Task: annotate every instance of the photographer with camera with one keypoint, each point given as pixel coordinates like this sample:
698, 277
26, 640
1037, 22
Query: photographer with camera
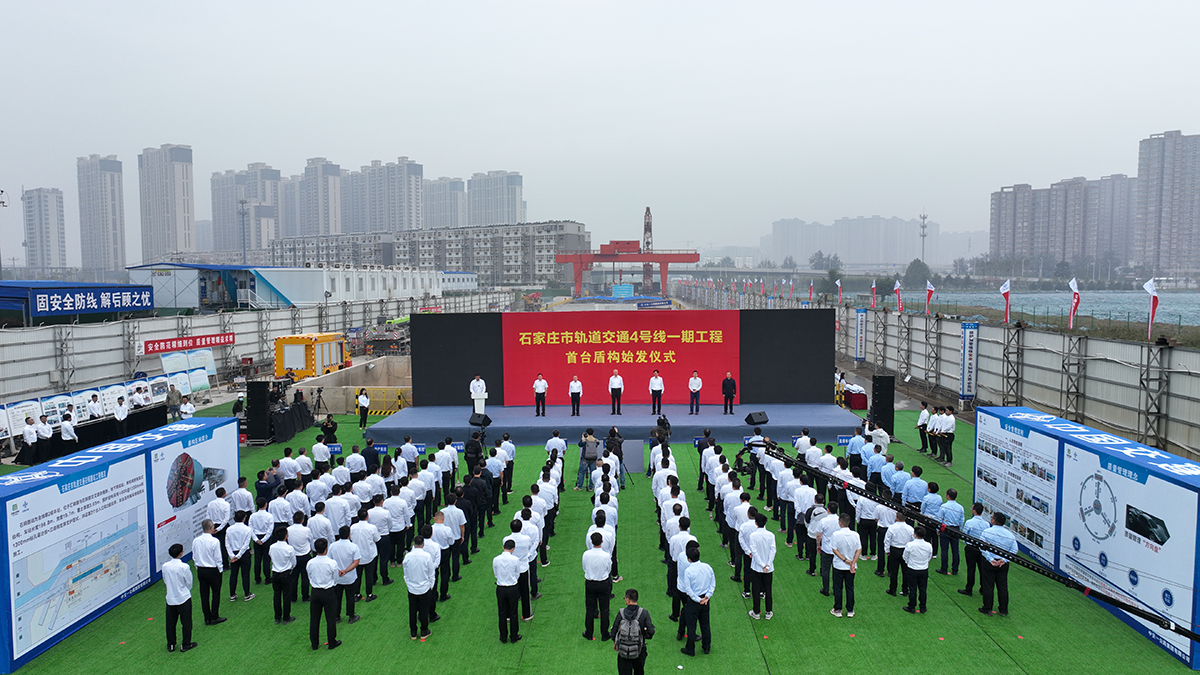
589, 452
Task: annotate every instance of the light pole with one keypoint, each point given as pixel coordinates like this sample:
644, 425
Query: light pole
924, 234
3, 203
243, 211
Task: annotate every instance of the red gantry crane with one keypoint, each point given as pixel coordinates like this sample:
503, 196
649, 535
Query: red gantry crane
628, 252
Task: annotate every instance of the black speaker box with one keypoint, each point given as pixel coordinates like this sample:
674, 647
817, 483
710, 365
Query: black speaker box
883, 402
756, 418
480, 420
258, 410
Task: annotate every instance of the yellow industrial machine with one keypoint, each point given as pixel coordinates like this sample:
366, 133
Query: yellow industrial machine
310, 354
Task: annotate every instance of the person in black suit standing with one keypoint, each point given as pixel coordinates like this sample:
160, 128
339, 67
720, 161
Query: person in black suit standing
728, 390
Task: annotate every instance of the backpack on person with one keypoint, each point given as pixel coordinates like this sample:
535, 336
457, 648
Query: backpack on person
591, 449
629, 641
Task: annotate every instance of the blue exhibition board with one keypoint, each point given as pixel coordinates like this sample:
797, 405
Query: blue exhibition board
1113, 514
84, 532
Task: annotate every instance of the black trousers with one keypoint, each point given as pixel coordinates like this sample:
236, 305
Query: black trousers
210, 592
523, 593
973, 561
533, 577
262, 561
220, 535
948, 447
866, 530
179, 614
760, 585
924, 438
843, 579
616, 400
894, 563
632, 666
575, 404
369, 574
384, 546
693, 401
826, 567
993, 580
444, 572
496, 490
695, 616
281, 584
918, 582
596, 603
420, 607
506, 484
880, 533
810, 552
728, 404
656, 402
362, 416
507, 598
949, 549
242, 565
347, 592
300, 577
323, 600
539, 404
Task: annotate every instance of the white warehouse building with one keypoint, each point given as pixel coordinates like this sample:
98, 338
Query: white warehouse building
211, 287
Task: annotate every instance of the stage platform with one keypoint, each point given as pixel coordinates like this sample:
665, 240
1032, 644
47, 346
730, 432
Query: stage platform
430, 424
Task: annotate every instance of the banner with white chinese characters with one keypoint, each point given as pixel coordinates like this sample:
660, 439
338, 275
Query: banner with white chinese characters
1126, 512
149, 347
969, 362
860, 335
90, 300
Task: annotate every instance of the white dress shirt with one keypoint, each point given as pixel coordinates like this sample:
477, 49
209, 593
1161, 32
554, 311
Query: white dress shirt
478, 386
281, 510
241, 500
261, 526
178, 577
597, 564
507, 568
420, 571
356, 463
522, 545
237, 540
616, 382
539, 387
364, 401
320, 452
762, 550
185, 411
289, 469
364, 535
656, 383
322, 571
206, 552
95, 409
694, 384
29, 434
68, 431
320, 527
122, 411
847, 543
898, 535
575, 387
917, 554
301, 539
345, 552
218, 511
283, 557
44, 431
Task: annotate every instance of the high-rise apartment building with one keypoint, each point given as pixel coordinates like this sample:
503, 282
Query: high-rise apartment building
322, 198
45, 228
1167, 236
1076, 220
383, 197
495, 198
445, 203
291, 206
167, 194
202, 238
253, 194
101, 212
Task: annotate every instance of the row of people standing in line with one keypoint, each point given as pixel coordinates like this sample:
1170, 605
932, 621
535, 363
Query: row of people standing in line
616, 389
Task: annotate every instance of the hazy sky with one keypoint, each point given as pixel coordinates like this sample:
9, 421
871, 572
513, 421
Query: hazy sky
721, 117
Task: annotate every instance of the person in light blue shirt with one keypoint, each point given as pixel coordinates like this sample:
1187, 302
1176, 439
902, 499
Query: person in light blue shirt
887, 470
973, 528
875, 463
699, 582
898, 480
854, 448
993, 569
952, 518
931, 506
914, 489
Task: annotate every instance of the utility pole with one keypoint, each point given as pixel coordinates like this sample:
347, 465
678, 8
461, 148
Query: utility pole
647, 247
243, 211
924, 234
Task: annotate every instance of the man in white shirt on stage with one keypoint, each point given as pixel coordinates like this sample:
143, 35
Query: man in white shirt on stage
178, 578
95, 409
576, 390
656, 393
616, 384
478, 386
694, 385
539, 396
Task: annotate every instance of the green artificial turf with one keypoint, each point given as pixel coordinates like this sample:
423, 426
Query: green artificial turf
1049, 630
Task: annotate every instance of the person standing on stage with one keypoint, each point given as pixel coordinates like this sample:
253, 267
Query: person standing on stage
539, 396
575, 387
95, 409
616, 384
728, 390
507, 568
656, 392
478, 386
323, 575
364, 405
178, 578
694, 385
